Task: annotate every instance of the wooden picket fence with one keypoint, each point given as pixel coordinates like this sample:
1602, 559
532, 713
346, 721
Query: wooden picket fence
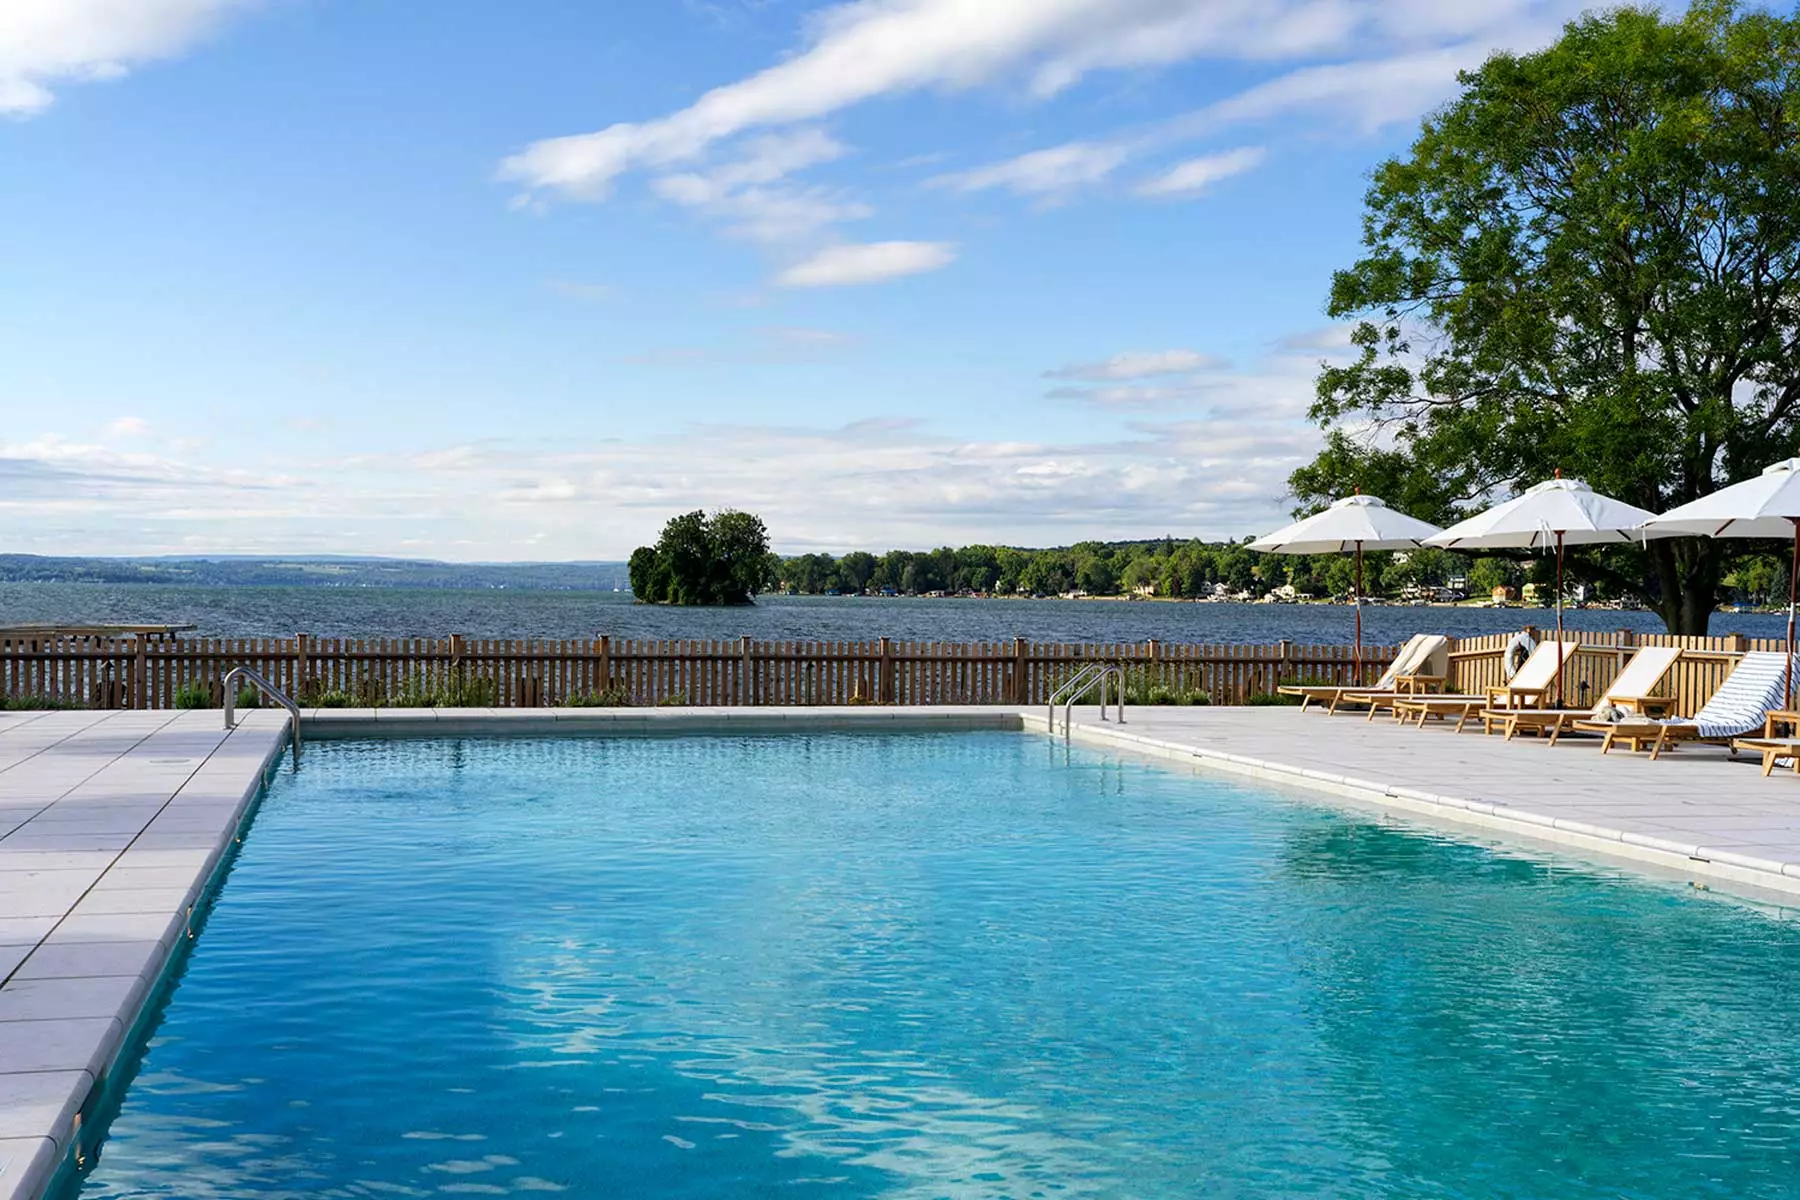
131, 672
134, 672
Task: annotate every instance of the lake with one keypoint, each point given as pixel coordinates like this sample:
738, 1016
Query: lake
419, 612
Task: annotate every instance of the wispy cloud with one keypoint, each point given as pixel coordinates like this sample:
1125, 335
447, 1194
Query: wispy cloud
1140, 364
1196, 175
1052, 172
45, 44
869, 262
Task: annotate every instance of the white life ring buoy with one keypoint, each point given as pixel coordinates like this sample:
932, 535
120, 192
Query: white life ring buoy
1517, 651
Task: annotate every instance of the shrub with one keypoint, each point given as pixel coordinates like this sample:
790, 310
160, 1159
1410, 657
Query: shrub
1143, 687
673, 700
1272, 700
613, 695
37, 703
196, 693
458, 689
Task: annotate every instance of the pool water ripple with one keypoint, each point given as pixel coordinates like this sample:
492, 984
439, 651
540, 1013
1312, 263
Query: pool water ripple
935, 965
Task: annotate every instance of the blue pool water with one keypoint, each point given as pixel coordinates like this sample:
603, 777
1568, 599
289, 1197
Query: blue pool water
935, 966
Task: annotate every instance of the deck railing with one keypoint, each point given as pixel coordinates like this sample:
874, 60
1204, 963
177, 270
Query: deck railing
132, 672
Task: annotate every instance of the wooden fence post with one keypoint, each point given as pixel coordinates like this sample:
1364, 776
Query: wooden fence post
885, 683
1021, 689
140, 672
746, 689
302, 642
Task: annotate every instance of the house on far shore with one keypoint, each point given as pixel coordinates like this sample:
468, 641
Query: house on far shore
1503, 594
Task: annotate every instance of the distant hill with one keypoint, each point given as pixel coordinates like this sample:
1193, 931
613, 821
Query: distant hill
315, 571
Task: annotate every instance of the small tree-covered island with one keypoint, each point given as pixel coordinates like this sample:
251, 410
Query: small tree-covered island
721, 559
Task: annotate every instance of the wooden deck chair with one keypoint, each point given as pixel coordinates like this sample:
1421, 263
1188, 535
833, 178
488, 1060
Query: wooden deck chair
1756, 687
1526, 688
1634, 689
1410, 672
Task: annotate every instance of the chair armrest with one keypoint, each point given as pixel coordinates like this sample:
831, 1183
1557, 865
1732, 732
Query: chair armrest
1415, 684
1517, 697
1777, 717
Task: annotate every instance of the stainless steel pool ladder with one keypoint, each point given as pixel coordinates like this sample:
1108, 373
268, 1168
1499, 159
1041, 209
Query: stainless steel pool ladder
1074, 689
266, 688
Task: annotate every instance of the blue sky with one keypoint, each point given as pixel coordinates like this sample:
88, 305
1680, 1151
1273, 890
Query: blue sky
496, 281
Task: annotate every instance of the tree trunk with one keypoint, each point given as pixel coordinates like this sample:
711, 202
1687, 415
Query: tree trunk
1687, 572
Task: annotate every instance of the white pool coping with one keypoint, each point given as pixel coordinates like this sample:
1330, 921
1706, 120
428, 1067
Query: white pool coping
114, 826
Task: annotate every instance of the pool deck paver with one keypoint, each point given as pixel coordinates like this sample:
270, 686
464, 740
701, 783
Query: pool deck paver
1695, 811
111, 825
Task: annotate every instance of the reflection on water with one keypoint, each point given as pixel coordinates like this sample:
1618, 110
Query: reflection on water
931, 966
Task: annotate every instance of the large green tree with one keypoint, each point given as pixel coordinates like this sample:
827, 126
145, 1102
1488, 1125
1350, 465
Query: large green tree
1589, 260
722, 559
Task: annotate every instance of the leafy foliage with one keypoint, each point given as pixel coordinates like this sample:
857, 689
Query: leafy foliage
722, 559
1590, 260
1163, 567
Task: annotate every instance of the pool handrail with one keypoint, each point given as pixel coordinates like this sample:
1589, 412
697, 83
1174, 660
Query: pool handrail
1075, 688
266, 688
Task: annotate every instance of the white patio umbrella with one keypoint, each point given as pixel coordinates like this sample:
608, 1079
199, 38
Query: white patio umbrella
1767, 506
1557, 512
1356, 523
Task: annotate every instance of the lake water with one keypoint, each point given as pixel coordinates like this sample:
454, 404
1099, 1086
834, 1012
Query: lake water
412, 612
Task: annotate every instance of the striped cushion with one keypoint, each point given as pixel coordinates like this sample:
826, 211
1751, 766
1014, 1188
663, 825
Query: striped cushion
1758, 684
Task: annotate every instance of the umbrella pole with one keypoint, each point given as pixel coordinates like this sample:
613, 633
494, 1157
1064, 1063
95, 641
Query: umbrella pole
1359, 585
1559, 624
1793, 580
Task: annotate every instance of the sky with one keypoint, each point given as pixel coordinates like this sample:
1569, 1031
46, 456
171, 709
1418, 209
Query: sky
518, 281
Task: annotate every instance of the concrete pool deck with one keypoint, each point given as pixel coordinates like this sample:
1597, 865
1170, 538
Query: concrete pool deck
113, 826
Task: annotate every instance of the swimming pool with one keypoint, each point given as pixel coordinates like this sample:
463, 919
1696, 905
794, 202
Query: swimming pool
934, 965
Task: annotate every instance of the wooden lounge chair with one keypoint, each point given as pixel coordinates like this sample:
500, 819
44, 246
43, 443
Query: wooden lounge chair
1408, 674
1755, 688
1633, 688
1526, 688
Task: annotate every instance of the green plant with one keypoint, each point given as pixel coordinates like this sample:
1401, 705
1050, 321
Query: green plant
1272, 700
37, 703
457, 689
249, 697
330, 699
613, 695
673, 700
195, 693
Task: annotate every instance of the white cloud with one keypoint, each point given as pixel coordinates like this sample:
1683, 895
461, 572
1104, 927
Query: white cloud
1140, 364
46, 43
1196, 175
880, 483
867, 262
1054, 171
751, 196
125, 427
868, 48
